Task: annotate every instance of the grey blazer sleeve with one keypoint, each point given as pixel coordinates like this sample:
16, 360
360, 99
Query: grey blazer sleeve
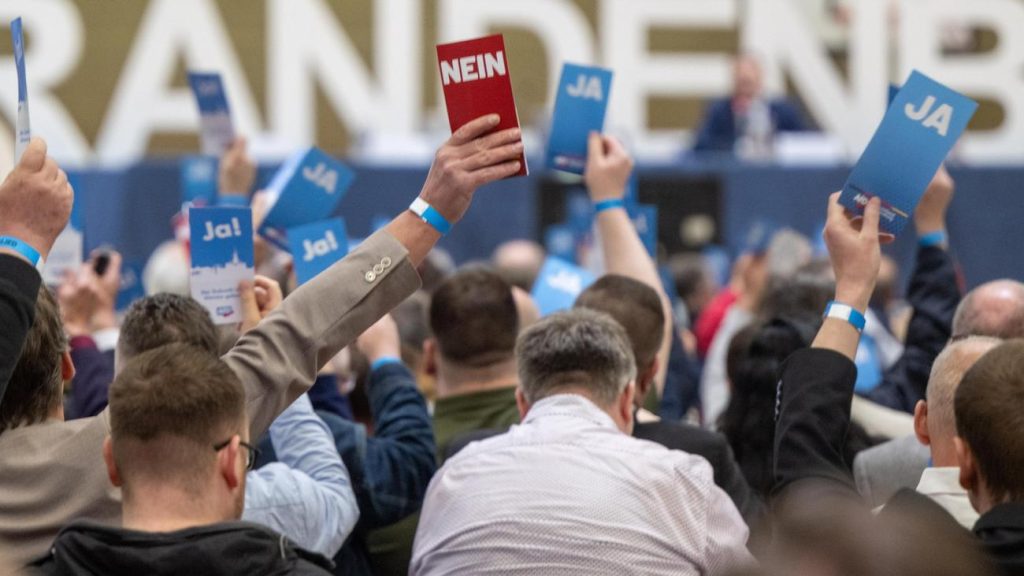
278, 360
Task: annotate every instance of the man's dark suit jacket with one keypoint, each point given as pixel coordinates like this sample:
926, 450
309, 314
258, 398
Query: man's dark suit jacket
934, 294
815, 393
718, 132
19, 287
676, 436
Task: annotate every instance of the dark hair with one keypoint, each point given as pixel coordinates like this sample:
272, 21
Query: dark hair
473, 318
634, 305
166, 318
36, 386
804, 295
756, 355
169, 406
989, 407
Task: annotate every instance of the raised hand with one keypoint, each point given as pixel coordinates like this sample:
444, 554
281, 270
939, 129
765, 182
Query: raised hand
855, 251
35, 199
608, 168
259, 298
237, 171
930, 215
380, 340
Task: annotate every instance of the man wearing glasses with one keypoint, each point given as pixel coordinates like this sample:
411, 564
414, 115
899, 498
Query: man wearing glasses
178, 449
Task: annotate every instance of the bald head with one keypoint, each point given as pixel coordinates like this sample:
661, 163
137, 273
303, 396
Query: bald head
947, 371
518, 262
993, 309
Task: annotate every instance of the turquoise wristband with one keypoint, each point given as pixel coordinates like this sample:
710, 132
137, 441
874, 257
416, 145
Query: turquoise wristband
383, 361
608, 205
430, 215
21, 247
936, 238
846, 312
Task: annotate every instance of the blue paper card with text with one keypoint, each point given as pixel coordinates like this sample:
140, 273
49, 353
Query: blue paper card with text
307, 188
316, 246
560, 242
580, 106
915, 136
645, 220
215, 127
558, 284
22, 128
199, 180
222, 256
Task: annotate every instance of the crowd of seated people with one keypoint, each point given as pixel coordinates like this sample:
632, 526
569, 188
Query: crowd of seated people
426, 419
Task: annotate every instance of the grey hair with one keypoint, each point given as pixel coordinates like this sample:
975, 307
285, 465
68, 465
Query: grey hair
579, 348
947, 371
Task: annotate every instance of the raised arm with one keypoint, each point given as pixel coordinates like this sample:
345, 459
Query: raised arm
35, 204
816, 387
279, 359
608, 169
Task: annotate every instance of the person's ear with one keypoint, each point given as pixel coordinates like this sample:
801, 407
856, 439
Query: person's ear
230, 464
67, 366
921, 423
430, 357
969, 479
645, 380
626, 407
521, 403
108, 458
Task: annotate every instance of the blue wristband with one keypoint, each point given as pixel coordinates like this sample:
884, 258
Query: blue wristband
19, 246
430, 215
236, 201
383, 361
609, 204
932, 239
846, 312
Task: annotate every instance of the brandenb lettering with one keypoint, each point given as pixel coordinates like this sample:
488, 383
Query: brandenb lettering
470, 68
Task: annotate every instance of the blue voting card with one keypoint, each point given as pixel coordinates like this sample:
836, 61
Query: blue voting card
22, 129
645, 220
893, 91
316, 246
215, 127
579, 212
558, 284
307, 188
560, 242
918, 131
580, 107
632, 195
131, 284
222, 256
199, 180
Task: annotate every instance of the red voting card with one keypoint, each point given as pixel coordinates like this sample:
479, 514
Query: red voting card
476, 82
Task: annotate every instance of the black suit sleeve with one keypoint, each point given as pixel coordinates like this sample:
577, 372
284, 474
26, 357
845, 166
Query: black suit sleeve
19, 286
934, 294
729, 477
814, 399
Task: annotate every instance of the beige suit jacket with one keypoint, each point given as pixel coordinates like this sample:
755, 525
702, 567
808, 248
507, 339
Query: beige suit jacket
53, 473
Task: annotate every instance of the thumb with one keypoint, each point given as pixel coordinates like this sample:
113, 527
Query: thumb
34, 155
250, 308
595, 147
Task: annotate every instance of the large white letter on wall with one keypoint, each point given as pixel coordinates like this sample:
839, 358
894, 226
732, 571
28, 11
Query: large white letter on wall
306, 45
996, 74
144, 103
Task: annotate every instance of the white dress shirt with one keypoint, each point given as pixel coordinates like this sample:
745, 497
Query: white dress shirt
567, 492
943, 486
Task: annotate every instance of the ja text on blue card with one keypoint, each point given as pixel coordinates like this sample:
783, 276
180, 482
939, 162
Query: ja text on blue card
216, 132
580, 106
307, 188
222, 256
558, 284
22, 128
316, 246
919, 129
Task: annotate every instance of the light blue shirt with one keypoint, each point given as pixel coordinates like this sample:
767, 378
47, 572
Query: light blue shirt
306, 495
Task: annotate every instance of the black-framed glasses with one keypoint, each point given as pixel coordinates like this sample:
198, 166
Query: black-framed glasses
251, 452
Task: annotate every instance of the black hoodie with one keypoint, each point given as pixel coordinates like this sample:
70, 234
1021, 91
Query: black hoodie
86, 548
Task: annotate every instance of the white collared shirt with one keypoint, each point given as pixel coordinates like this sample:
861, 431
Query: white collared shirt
943, 486
567, 492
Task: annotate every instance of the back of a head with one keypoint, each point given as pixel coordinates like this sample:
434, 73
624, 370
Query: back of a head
989, 408
36, 386
519, 262
473, 318
993, 309
167, 269
803, 294
634, 305
163, 319
579, 349
947, 372
168, 408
